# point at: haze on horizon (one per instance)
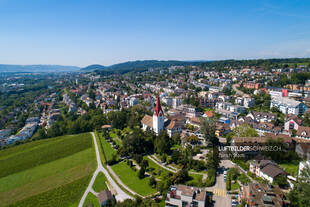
(76, 32)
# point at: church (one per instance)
(157, 123)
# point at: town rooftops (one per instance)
(263, 195)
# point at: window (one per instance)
(184, 203)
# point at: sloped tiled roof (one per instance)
(147, 120)
(302, 129)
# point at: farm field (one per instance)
(130, 178)
(55, 168)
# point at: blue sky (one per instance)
(79, 32)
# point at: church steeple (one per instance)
(158, 108)
(158, 117)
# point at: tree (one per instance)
(141, 173)
(298, 196)
(176, 138)
(138, 158)
(208, 126)
(281, 181)
(306, 120)
(228, 182)
(180, 177)
(42, 133)
(152, 182)
(233, 173)
(245, 130)
(193, 139)
(144, 164)
(135, 143)
(162, 143)
(91, 94)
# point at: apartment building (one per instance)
(186, 196)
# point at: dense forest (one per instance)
(140, 65)
(265, 63)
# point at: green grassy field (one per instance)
(57, 165)
(130, 178)
(99, 184)
(196, 179)
(33, 154)
(100, 148)
(67, 195)
(107, 148)
(92, 200)
(158, 170)
(291, 168)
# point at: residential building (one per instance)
(266, 169)
(287, 105)
(262, 116)
(183, 196)
(104, 196)
(292, 122)
(252, 85)
(133, 101)
(256, 194)
(303, 132)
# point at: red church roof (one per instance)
(158, 107)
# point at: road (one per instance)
(238, 92)
(120, 194)
(161, 164)
(220, 196)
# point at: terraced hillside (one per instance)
(53, 172)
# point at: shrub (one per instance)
(152, 182)
(141, 173)
(228, 182)
(244, 179)
(211, 177)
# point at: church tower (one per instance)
(158, 117)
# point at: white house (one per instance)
(287, 105)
